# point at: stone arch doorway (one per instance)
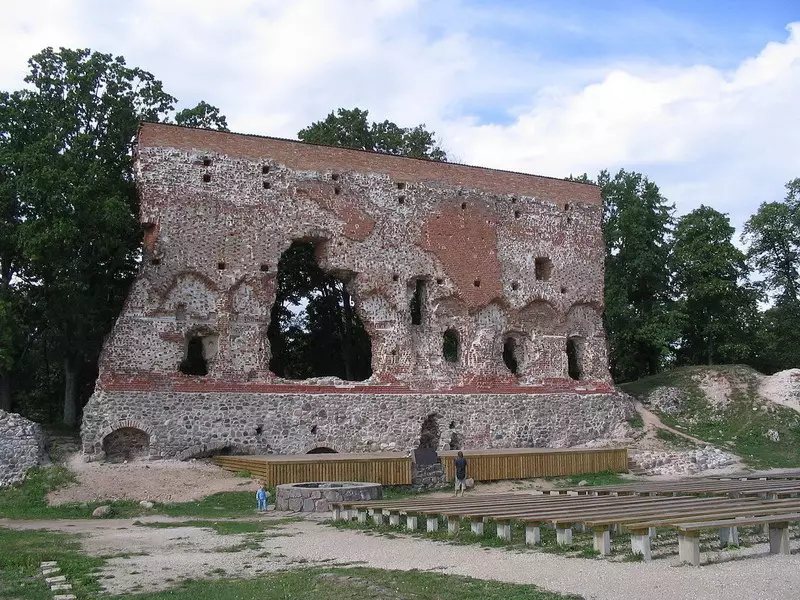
(322, 450)
(126, 443)
(430, 434)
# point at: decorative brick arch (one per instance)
(316, 445)
(135, 443)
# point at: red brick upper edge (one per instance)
(312, 157)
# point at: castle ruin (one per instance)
(507, 267)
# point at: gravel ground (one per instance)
(157, 481)
(179, 553)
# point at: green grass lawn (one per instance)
(21, 552)
(350, 584)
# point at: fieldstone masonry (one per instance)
(23, 445)
(501, 260)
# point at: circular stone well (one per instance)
(315, 496)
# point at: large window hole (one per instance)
(199, 350)
(543, 268)
(450, 345)
(315, 330)
(510, 359)
(575, 357)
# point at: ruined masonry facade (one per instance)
(502, 259)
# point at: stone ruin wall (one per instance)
(218, 210)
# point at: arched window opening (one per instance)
(322, 450)
(429, 434)
(200, 348)
(315, 330)
(510, 355)
(575, 357)
(126, 443)
(450, 345)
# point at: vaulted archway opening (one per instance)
(315, 330)
(322, 450)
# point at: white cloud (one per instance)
(724, 138)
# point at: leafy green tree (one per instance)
(352, 129)
(203, 115)
(773, 237)
(718, 309)
(78, 237)
(640, 318)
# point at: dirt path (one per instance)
(157, 481)
(652, 423)
(178, 553)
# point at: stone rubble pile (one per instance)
(23, 445)
(682, 463)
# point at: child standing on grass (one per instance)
(261, 496)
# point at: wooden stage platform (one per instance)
(395, 468)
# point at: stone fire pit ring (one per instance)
(314, 496)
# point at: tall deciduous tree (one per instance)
(352, 129)
(203, 115)
(639, 316)
(718, 308)
(79, 234)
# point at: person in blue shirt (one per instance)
(461, 474)
(261, 496)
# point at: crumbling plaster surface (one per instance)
(218, 210)
(186, 424)
(212, 249)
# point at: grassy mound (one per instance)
(736, 417)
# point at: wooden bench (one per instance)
(689, 534)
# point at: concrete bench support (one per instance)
(602, 540)
(337, 513)
(432, 524)
(394, 519)
(533, 535)
(728, 536)
(453, 525)
(362, 515)
(377, 517)
(652, 532)
(476, 526)
(779, 538)
(640, 543)
(689, 547)
(411, 522)
(563, 534)
(504, 530)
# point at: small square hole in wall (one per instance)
(513, 200)
(463, 206)
(543, 268)
(401, 200)
(439, 281)
(337, 190)
(221, 266)
(566, 206)
(155, 261)
(563, 290)
(267, 185)
(206, 177)
(477, 283)
(264, 268)
(206, 162)
(569, 220)
(514, 285)
(264, 169)
(401, 185)
(395, 277)
(516, 214)
(335, 176)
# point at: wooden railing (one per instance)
(526, 463)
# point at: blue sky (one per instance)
(700, 96)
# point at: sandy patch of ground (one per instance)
(157, 481)
(782, 388)
(179, 553)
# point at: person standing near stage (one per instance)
(461, 473)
